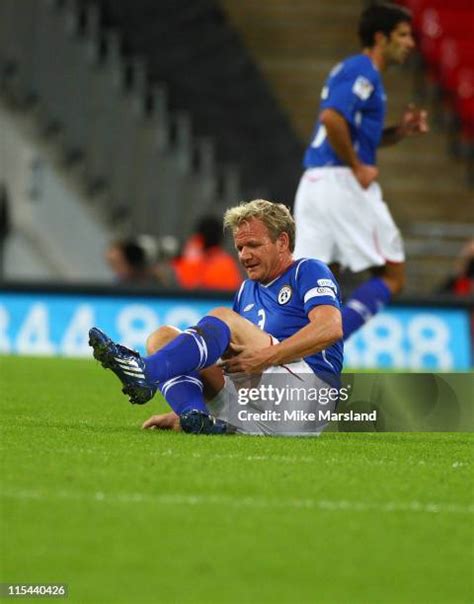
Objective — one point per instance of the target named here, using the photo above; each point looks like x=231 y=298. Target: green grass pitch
x=123 y=515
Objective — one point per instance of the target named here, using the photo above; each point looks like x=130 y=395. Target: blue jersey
x=281 y=307
x=354 y=89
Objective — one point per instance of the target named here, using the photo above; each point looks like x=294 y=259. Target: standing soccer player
x=340 y=214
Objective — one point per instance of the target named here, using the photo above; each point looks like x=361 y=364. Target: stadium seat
x=438 y=24
x=456 y=56
x=464 y=102
x=419 y=6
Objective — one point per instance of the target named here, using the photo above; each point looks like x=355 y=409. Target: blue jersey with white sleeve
x=281 y=307
x=354 y=89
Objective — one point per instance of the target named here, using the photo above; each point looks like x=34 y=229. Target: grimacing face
x=262 y=258
x=399 y=43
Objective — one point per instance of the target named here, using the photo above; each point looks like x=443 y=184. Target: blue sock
x=197 y=347
x=184 y=393
x=366 y=301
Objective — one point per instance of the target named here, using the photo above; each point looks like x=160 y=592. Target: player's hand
x=166 y=421
x=365 y=174
x=247 y=360
x=413 y=121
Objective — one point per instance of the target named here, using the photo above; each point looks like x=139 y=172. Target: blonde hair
x=275 y=216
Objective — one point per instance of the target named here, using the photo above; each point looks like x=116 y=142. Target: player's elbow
x=327 y=322
x=337 y=334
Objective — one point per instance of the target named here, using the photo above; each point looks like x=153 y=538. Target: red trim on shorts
x=379 y=251
x=292 y=372
x=285 y=366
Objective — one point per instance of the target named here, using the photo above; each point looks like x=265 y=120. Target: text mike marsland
x=306 y=416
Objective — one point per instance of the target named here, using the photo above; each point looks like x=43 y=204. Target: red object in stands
x=210 y=268
x=446 y=42
x=463 y=286
x=437 y=24
x=457 y=56
x=417 y=7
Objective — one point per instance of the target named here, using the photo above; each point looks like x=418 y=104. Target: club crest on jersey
x=362 y=88
x=284 y=294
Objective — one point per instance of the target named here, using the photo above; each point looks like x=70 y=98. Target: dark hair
x=383 y=17
x=140 y=251
x=134 y=254
x=210 y=227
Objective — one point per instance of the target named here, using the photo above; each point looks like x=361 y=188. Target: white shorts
x=279 y=402
x=339 y=221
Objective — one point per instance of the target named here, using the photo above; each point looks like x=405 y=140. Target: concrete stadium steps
x=295 y=44
x=431 y=247
x=427 y=275
x=296 y=27
x=210 y=74
x=53 y=234
x=114 y=130
x=409 y=204
x=297 y=85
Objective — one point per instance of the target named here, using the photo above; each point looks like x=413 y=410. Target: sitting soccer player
x=258 y=368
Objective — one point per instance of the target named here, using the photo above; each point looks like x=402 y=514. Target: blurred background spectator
x=141 y=261
x=204 y=263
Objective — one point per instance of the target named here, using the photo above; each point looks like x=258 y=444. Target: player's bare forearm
x=391 y=136
x=339 y=136
x=324 y=328
x=413 y=121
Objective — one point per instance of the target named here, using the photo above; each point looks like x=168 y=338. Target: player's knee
x=223 y=313
x=401 y=282
x=396 y=280
x=160 y=338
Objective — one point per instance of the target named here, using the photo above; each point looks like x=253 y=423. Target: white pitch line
x=244 y=502
x=295 y=459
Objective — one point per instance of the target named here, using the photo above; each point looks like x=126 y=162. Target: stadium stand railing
x=50 y=232
x=139 y=161
x=193 y=47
